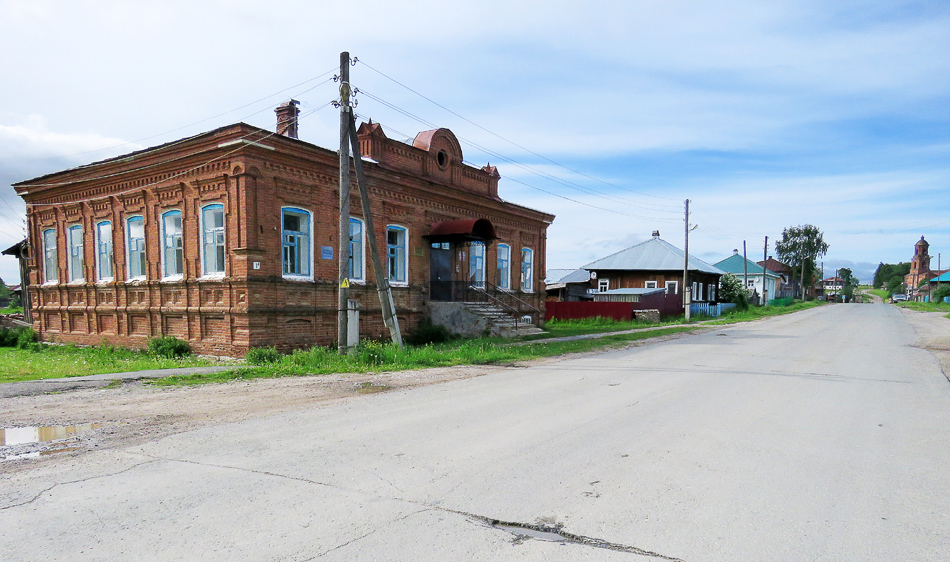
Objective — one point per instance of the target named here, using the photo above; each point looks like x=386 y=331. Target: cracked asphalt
x=820 y=435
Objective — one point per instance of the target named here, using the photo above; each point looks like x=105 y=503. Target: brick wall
x=252 y=303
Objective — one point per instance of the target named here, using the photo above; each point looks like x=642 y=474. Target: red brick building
x=228 y=239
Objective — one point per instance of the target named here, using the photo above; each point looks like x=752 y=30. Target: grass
x=927 y=306
x=371 y=357
x=756 y=312
x=12 y=310
x=55 y=361
x=599 y=325
x=879 y=293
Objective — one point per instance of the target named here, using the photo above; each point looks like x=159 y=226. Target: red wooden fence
x=668 y=305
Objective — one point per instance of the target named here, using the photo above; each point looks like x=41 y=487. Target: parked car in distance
x=898 y=297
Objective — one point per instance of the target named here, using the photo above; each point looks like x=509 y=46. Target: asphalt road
x=821 y=435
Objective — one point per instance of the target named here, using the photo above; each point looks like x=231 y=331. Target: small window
x=650 y=285
x=711 y=289
x=74 y=267
x=357 y=263
x=603 y=285
x=504 y=266
x=672 y=287
x=697 y=291
x=477 y=264
x=104 y=251
x=49 y=256
x=212 y=240
x=527 y=270
x=296 y=242
x=396 y=255
x=172 y=248
x=135 y=235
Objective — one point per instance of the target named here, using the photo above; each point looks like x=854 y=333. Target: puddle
x=370 y=388
x=33 y=442
x=26 y=435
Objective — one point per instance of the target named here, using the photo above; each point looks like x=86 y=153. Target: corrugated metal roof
x=734 y=264
x=636 y=291
x=653 y=255
x=567 y=276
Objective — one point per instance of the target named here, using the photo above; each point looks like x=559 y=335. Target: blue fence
x=712 y=310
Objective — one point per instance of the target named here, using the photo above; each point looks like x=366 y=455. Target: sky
x=608 y=114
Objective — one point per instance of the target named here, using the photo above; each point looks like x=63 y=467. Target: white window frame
x=402 y=262
x=131 y=252
x=476 y=264
x=649 y=285
x=171 y=244
x=74 y=260
x=50 y=257
x=504 y=267
x=676 y=287
x=711 y=292
x=104 y=253
x=527 y=270
x=218 y=238
x=695 y=292
x=302 y=260
x=358 y=245
x=603 y=285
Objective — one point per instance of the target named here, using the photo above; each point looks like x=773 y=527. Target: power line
x=555 y=179
x=507 y=140
x=183 y=172
x=190 y=124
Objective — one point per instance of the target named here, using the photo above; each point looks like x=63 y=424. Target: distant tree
x=887 y=271
x=848 y=282
x=731 y=290
x=800 y=247
x=895 y=285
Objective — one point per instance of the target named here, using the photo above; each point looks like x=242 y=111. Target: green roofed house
x=741 y=267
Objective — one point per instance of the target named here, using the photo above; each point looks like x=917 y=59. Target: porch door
x=440 y=270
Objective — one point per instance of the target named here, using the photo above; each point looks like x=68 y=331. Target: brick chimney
x=287 y=113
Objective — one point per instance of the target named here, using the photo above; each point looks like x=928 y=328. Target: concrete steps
x=502 y=323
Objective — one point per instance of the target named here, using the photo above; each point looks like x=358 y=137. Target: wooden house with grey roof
x=653 y=264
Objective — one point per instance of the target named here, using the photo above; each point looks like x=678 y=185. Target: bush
x=940 y=292
x=168 y=346
x=262 y=355
x=427 y=333
x=28 y=339
x=731 y=290
x=9 y=337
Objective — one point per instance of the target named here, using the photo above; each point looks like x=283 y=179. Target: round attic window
x=442 y=158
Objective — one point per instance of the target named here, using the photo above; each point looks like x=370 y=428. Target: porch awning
x=466 y=230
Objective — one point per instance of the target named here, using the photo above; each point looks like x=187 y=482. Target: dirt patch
x=933 y=329
x=132 y=413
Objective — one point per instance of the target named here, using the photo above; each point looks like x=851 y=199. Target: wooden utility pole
x=382 y=280
x=745 y=269
x=349 y=144
x=687 y=293
x=343 y=251
x=765 y=259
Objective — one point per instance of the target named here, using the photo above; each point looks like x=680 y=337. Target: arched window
x=357 y=243
x=104 y=251
x=527 y=270
x=296 y=242
x=74 y=240
x=50 y=274
x=212 y=240
x=397 y=259
x=135 y=247
x=172 y=249
x=504 y=266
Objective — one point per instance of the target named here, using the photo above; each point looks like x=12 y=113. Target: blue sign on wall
x=327 y=253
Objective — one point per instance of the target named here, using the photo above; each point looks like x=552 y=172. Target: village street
x=821 y=435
